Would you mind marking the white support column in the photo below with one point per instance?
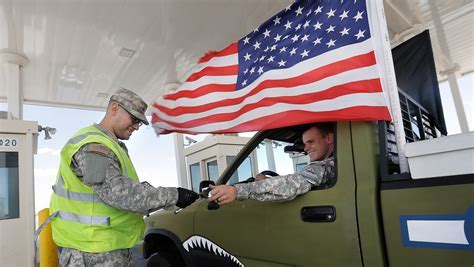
(180, 161)
(270, 156)
(11, 63)
(453, 84)
(453, 68)
(14, 92)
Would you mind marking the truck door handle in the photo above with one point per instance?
(318, 214)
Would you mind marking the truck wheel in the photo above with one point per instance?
(162, 259)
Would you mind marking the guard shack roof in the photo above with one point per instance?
(78, 52)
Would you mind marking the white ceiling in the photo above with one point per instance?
(73, 47)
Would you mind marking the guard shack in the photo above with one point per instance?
(18, 144)
(207, 159)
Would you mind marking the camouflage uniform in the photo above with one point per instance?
(98, 167)
(287, 187)
(75, 258)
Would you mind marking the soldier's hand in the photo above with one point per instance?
(223, 194)
(186, 197)
(260, 177)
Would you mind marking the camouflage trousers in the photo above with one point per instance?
(75, 258)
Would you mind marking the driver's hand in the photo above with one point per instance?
(223, 194)
(260, 177)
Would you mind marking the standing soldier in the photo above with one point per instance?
(98, 200)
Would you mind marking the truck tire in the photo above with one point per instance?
(163, 259)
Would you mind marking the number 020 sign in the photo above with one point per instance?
(8, 142)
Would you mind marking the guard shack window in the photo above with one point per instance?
(9, 186)
(195, 171)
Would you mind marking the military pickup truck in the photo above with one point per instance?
(373, 215)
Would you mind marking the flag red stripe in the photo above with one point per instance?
(355, 62)
(203, 90)
(231, 49)
(369, 86)
(214, 71)
(295, 117)
(302, 99)
(309, 77)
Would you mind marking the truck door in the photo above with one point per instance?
(318, 228)
(426, 221)
(429, 222)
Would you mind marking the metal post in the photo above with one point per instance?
(384, 58)
(180, 160)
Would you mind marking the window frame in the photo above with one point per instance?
(248, 149)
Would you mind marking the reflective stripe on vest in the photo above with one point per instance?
(84, 197)
(97, 220)
(79, 138)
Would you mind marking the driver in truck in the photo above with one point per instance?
(318, 139)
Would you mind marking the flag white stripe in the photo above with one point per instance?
(321, 85)
(222, 61)
(345, 52)
(342, 102)
(205, 80)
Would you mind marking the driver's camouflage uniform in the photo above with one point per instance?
(287, 187)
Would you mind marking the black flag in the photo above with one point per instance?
(416, 75)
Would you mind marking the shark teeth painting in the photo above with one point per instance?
(202, 243)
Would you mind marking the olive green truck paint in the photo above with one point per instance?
(371, 219)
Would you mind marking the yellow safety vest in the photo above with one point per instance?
(83, 221)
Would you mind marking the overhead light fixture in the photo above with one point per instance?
(125, 52)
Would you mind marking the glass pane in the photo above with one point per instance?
(212, 172)
(195, 171)
(244, 171)
(283, 161)
(9, 186)
(262, 161)
(300, 160)
(300, 167)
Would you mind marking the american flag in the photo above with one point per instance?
(312, 62)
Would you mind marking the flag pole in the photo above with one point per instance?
(385, 60)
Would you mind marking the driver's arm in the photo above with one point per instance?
(277, 188)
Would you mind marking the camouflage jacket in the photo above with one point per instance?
(98, 167)
(287, 187)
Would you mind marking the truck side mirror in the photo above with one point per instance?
(204, 184)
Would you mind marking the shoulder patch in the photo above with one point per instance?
(98, 149)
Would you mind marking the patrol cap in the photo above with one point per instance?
(132, 103)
